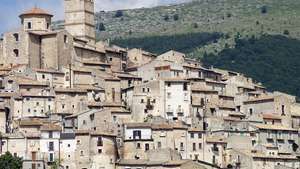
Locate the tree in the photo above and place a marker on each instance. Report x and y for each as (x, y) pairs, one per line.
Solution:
(264, 9)
(175, 17)
(286, 32)
(101, 27)
(166, 17)
(8, 161)
(119, 14)
(55, 165)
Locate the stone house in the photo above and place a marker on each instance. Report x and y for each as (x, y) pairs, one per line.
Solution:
(138, 57)
(285, 138)
(95, 146)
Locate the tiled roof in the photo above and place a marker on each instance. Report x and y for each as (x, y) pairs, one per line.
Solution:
(271, 116)
(259, 99)
(36, 11)
(273, 127)
(50, 127)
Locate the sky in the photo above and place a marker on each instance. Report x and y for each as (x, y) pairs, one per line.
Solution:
(10, 9)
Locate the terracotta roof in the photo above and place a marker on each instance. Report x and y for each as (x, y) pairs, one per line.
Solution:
(89, 87)
(25, 81)
(175, 79)
(50, 127)
(202, 90)
(30, 122)
(273, 127)
(35, 11)
(52, 71)
(96, 63)
(260, 99)
(215, 139)
(271, 116)
(138, 125)
(70, 90)
(94, 133)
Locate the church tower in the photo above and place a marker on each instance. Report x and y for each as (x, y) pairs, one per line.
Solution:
(80, 19)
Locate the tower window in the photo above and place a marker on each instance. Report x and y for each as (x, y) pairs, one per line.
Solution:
(65, 39)
(16, 52)
(28, 25)
(16, 36)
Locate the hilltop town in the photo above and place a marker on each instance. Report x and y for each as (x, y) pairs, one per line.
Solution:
(70, 101)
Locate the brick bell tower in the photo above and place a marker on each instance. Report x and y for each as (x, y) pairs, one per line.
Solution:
(80, 19)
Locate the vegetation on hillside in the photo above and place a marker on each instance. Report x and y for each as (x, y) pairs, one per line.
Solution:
(272, 60)
(180, 42)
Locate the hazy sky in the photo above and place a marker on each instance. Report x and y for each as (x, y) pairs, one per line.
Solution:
(10, 9)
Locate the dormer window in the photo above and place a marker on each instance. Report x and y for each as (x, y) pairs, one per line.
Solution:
(29, 25)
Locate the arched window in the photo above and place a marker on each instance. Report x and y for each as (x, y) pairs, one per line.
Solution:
(16, 52)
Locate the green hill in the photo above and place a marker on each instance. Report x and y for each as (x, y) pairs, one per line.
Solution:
(272, 60)
(230, 17)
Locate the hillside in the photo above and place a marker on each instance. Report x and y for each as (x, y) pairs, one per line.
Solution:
(231, 17)
(272, 60)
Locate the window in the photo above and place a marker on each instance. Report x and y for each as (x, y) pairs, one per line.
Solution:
(65, 39)
(185, 86)
(63, 106)
(99, 141)
(159, 144)
(37, 103)
(81, 153)
(192, 135)
(92, 117)
(144, 90)
(69, 145)
(16, 52)
(113, 94)
(194, 146)
(43, 76)
(181, 146)
(29, 110)
(51, 157)
(199, 135)
(47, 25)
(84, 122)
(28, 25)
(99, 151)
(142, 100)
(137, 134)
(110, 59)
(16, 36)
(251, 111)
(51, 146)
(50, 134)
(169, 84)
(282, 110)
(169, 95)
(138, 145)
(148, 90)
(200, 145)
(147, 147)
